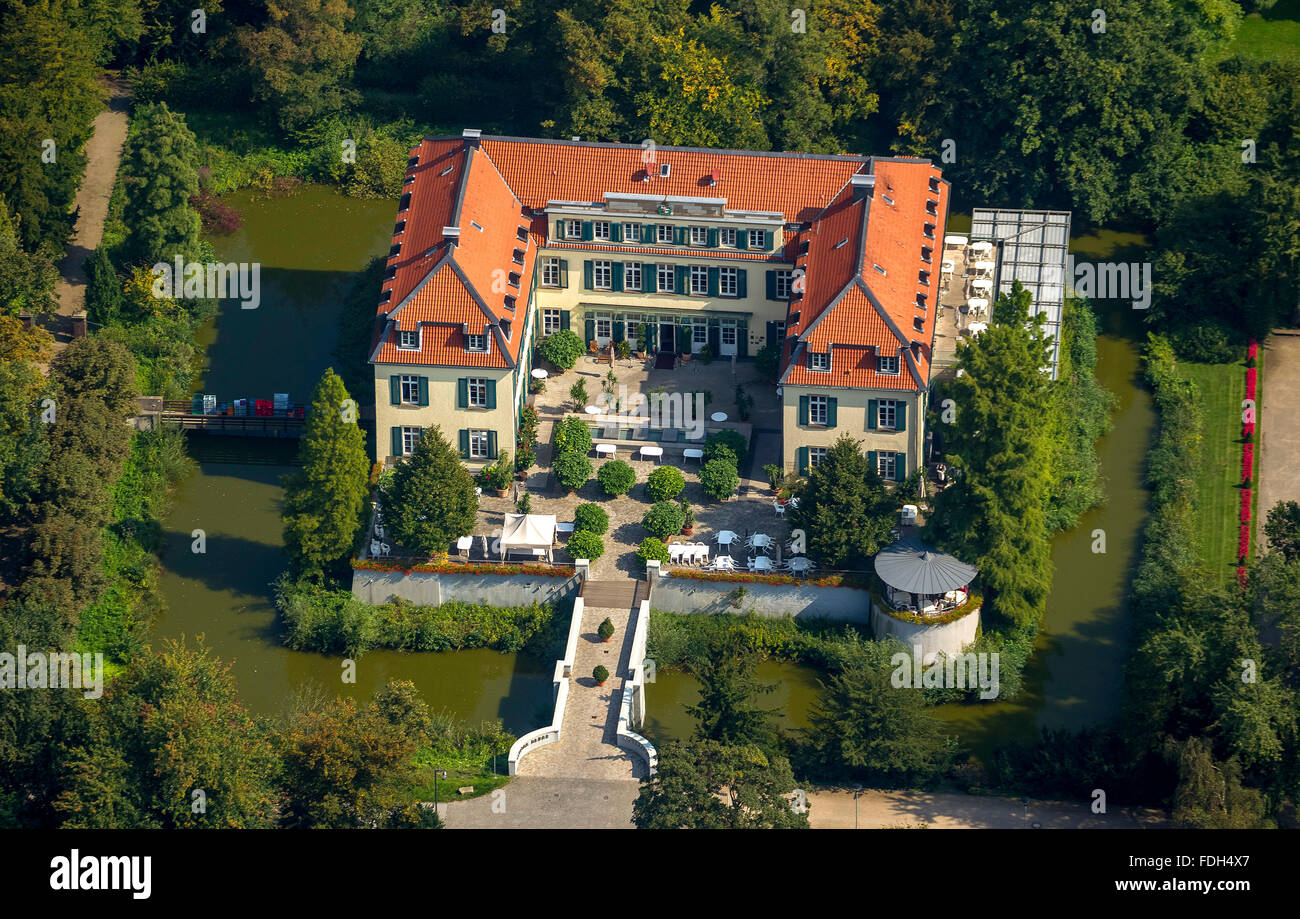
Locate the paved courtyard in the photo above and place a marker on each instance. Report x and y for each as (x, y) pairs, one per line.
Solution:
(1278, 431)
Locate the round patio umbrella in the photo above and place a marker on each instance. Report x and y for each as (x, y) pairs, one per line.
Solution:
(976, 327)
(912, 566)
(983, 265)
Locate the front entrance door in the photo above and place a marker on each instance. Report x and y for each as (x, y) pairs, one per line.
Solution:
(604, 331)
(728, 339)
(667, 338)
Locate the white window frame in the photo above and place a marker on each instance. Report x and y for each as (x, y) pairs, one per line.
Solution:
(551, 322)
(784, 279)
(699, 236)
(727, 237)
(699, 273)
(819, 411)
(573, 229)
(663, 270)
(631, 232)
(820, 362)
(815, 456)
(550, 271)
(600, 231)
(663, 230)
(757, 239)
(632, 276)
(728, 330)
(887, 464)
(402, 339)
(471, 339)
(476, 392)
(478, 445)
(410, 437)
(602, 275)
(887, 414)
(409, 389)
(699, 334)
(887, 364)
(728, 282)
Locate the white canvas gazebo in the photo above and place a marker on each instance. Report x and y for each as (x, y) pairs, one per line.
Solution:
(531, 533)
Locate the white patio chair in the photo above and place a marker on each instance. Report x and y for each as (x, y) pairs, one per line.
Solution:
(374, 548)
(779, 507)
(384, 549)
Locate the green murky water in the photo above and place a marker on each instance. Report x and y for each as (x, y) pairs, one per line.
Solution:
(308, 246)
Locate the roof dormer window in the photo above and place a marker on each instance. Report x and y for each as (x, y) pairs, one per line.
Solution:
(819, 362)
(927, 253)
(510, 305)
(405, 203)
(918, 323)
(934, 184)
(408, 339)
(399, 227)
(920, 301)
(932, 208)
(929, 231)
(409, 180)
(924, 277)
(517, 257)
(521, 234)
(475, 342)
(513, 278)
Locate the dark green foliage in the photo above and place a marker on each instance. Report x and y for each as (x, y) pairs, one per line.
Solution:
(104, 300)
(161, 163)
(702, 784)
(653, 548)
(732, 441)
(719, 478)
(572, 469)
(616, 477)
(767, 362)
(562, 348)
(843, 508)
(583, 544)
(26, 279)
(600, 674)
(431, 502)
(1283, 529)
(606, 629)
(571, 435)
(728, 710)
(1210, 795)
(664, 519)
(590, 518)
(664, 484)
(324, 499)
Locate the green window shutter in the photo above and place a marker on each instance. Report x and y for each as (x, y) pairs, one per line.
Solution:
(397, 442)
(492, 444)
(619, 331)
(559, 229)
(803, 409)
(831, 406)
(464, 443)
(462, 393)
(873, 413)
(683, 279)
(616, 232)
(900, 467)
(713, 236)
(713, 282)
(715, 338)
(742, 340)
(902, 415)
(767, 240)
(872, 464)
(491, 393)
(586, 231)
(742, 283)
(395, 389)
(589, 328)
(742, 239)
(801, 459)
(649, 279)
(564, 319)
(587, 272)
(771, 285)
(680, 235)
(648, 234)
(424, 390)
(616, 275)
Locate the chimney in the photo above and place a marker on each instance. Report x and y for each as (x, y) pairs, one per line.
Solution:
(471, 136)
(715, 177)
(863, 184)
(451, 234)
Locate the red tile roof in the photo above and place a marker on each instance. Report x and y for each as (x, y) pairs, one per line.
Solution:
(485, 190)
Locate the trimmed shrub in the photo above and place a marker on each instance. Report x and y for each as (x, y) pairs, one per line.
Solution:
(590, 518)
(719, 479)
(606, 630)
(562, 348)
(665, 483)
(616, 477)
(730, 439)
(652, 548)
(664, 519)
(586, 545)
(572, 470)
(572, 435)
(600, 673)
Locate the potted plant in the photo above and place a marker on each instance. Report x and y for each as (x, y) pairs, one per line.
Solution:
(525, 459)
(600, 674)
(688, 519)
(775, 476)
(499, 473)
(606, 630)
(622, 350)
(684, 349)
(642, 339)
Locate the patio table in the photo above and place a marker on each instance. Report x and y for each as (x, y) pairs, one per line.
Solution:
(693, 453)
(592, 409)
(724, 563)
(727, 537)
(463, 545)
(606, 449)
(801, 563)
(719, 416)
(760, 563)
(652, 452)
(760, 541)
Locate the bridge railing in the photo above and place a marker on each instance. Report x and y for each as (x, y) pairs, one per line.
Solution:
(563, 673)
(632, 706)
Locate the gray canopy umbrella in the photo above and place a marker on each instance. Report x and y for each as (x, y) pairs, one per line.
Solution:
(912, 566)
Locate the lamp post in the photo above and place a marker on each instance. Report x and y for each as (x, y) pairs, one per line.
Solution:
(437, 774)
(857, 793)
(1025, 802)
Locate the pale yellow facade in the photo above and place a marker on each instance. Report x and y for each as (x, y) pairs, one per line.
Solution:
(443, 386)
(850, 416)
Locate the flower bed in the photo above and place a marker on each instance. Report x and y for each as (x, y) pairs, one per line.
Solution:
(746, 577)
(1247, 464)
(448, 567)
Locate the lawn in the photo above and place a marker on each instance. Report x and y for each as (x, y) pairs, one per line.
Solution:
(1221, 387)
(469, 764)
(1273, 35)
